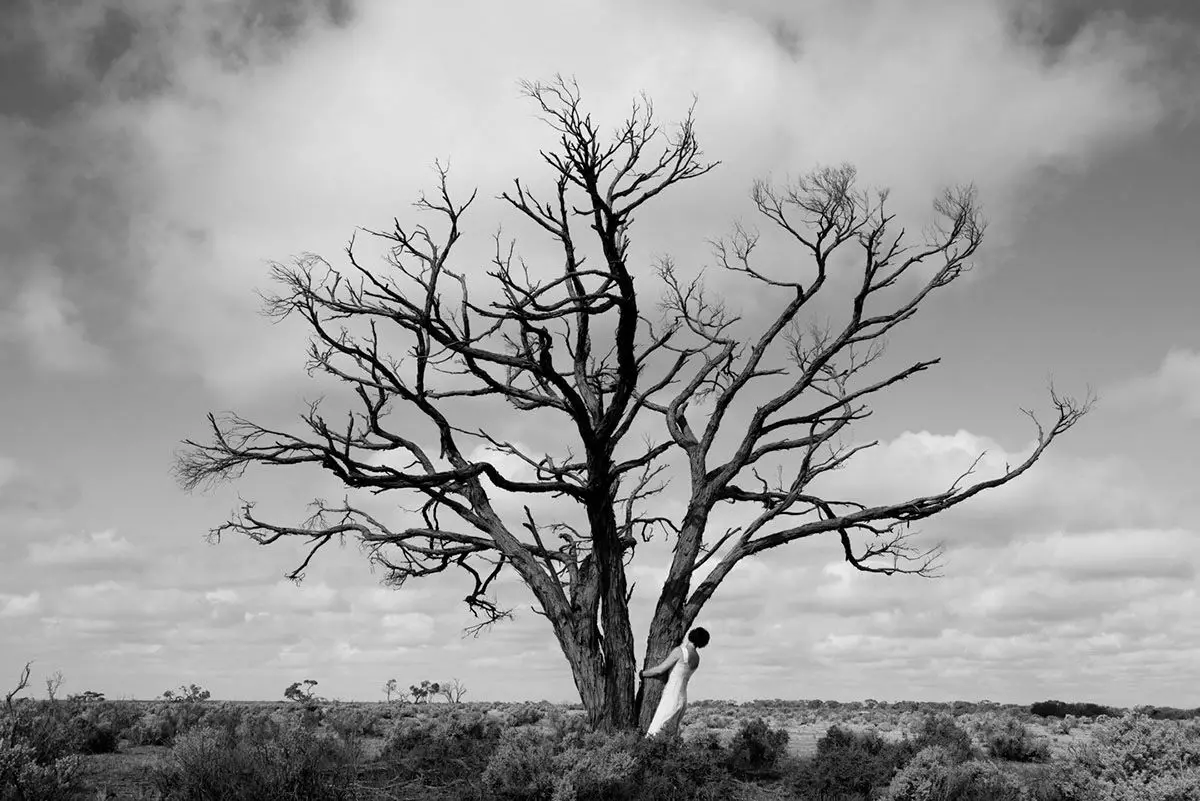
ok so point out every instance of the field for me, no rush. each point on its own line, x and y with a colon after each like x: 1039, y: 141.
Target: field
x: 762, y: 750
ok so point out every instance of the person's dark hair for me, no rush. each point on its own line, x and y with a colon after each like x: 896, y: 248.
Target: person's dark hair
x: 698, y: 637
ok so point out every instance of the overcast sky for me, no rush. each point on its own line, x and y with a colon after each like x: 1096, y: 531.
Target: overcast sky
x: 156, y: 154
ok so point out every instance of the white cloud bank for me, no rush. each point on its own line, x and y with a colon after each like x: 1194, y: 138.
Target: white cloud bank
x: 333, y: 127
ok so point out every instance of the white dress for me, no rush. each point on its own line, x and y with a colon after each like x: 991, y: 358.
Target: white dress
x: 674, y: 697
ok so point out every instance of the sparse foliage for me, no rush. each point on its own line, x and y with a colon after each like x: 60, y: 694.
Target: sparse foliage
x: 389, y: 689
x: 751, y: 412
x: 53, y: 683
x: 453, y: 691
x: 189, y: 694
x: 302, y: 691
x: 423, y: 692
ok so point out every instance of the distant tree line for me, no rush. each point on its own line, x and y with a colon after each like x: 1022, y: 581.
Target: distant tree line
x: 1060, y: 709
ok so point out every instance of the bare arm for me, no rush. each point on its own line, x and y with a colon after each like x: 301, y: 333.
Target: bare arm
x: 664, y: 667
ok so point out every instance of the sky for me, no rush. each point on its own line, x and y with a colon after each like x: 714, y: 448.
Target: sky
x: 159, y: 154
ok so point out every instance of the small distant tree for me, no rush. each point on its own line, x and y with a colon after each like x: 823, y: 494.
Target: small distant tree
x: 390, y: 689
x: 192, y: 693
x: 421, y: 693
x: 22, y: 683
x: 87, y: 696
x: 53, y: 683
x: 301, y: 691
x: 453, y: 691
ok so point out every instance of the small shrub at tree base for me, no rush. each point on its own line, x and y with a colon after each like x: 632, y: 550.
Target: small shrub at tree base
x: 756, y: 749
x: 671, y: 769
x: 596, y: 767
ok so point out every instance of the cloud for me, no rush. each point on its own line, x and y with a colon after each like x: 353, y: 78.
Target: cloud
x: 47, y: 324
x: 230, y: 142
x: 8, y: 470
x: 1176, y: 383
x: 19, y: 605
x: 98, y: 549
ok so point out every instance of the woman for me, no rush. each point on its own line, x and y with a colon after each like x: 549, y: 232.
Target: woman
x: 679, y: 666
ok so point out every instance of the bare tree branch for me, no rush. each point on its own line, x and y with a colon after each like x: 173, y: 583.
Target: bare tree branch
x: 615, y: 397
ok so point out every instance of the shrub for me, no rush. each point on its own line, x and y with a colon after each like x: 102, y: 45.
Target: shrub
x: 1014, y: 742
x: 1133, y: 758
x: 225, y: 717
x: 672, y: 769
x: 351, y: 722
x: 596, y: 767
x: 944, y: 731
x: 934, y: 775
x: 95, y: 738
x: 23, y: 778
x: 756, y: 748
x: 849, y: 763
x: 445, y: 751
x: 525, y: 715
x: 46, y: 728
x: 520, y: 768
x: 155, y: 728
x: 294, y: 764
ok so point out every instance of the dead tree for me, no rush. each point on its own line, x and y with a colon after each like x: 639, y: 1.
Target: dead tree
x: 577, y: 349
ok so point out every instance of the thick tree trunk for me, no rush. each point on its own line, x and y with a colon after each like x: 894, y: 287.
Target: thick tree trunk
x: 607, y: 694
x: 618, y: 660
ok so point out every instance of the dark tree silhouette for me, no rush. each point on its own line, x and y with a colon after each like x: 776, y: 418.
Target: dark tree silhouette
x: 578, y: 350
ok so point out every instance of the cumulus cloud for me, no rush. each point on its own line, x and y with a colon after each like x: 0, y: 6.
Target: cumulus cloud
x: 19, y: 605
x: 212, y: 143
x: 1175, y: 383
x: 95, y: 548
x: 46, y: 324
x: 205, y: 200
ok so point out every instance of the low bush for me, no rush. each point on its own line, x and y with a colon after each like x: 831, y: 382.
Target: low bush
x: 451, y: 750
x: 934, y: 774
x: 756, y: 749
x: 851, y: 764
x: 95, y: 738
x: 352, y: 722
x: 1013, y: 741
x: 48, y: 729
x: 943, y: 731
x: 1134, y: 758
x: 521, y: 768
x: 24, y: 778
x: 672, y: 769
x: 525, y: 714
x: 596, y: 767
x: 154, y: 728
x: 259, y: 764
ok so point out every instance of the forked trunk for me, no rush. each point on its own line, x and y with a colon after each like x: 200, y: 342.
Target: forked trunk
x: 666, y: 631
x: 670, y: 617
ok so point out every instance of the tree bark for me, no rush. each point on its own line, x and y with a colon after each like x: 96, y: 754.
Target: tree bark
x: 670, y: 622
